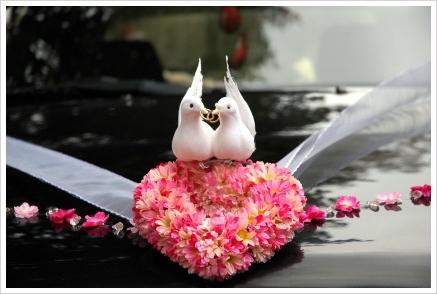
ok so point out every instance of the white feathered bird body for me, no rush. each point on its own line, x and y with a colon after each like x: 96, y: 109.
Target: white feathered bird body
x: 235, y: 137
x: 193, y: 137
x: 193, y: 140
x: 232, y: 139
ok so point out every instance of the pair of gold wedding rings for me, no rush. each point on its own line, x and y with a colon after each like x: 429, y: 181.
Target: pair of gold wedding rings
x: 209, y: 116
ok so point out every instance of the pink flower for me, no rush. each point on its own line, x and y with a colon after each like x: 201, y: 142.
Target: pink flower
x: 60, y: 215
x: 217, y: 221
x: 133, y: 229
x: 420, y: 191
x: 25, y: 210
x: 389, y: 198
x: 99, y: 219
x: 315, y: 213
x: 347, y: 204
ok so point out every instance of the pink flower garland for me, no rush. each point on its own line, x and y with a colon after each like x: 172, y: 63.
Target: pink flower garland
x: 216, y: 222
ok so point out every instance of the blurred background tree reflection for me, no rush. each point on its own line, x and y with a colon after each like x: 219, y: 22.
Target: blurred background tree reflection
x: 268, y: 47
x: 47, y: 45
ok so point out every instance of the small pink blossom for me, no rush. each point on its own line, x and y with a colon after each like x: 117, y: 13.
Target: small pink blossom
x: 25, y: 210
x: 347, y: 203
x: 99, y: 219
x: 60, y: 215
x: 133, y: 229
x: 315, y: 213
x: 420, y: 191
x: 391, y: 198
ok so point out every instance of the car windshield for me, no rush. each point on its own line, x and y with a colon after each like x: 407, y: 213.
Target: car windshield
x: 267, y: 46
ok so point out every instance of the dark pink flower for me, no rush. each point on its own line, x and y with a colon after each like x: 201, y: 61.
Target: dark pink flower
x: 314, y: 213
x: 420, y: 191
x: 99, y: 219
x: 60, y: 215
x: 347, y: 203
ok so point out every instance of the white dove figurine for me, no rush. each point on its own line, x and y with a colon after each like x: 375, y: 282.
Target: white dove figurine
x: 232, y: 139
x: 193, y: 137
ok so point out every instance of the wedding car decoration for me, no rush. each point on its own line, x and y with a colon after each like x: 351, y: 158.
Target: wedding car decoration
x: 216, y: 217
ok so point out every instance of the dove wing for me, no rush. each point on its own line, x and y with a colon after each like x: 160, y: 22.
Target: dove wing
x: 195, y: 90
x: 233, y: 92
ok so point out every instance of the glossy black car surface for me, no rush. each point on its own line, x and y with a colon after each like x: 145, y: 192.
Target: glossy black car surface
x: 129, y: 133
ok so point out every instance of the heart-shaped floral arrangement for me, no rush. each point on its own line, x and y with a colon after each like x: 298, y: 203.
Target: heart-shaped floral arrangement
x: 217, y: 221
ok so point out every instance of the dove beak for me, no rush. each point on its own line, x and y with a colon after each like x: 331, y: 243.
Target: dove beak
x: 217, y: 109
x: 204, y: 111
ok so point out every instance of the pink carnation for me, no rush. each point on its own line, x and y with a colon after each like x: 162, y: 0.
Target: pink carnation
x: 60, y: 215
x: 217, y: 221
x: 99, y: 219
x: 420, y: 191
x: 347, y: 204
x: 25, y: 210
x: 389, y: 198
x: 315, y: 213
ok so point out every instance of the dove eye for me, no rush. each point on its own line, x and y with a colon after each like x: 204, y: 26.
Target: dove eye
x: 191, y: 105
x: 229, y: 107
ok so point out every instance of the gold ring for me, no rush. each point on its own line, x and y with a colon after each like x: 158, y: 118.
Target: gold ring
x: 209, y: 116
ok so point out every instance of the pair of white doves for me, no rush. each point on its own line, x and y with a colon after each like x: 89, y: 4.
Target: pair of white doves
x: 194, y: 139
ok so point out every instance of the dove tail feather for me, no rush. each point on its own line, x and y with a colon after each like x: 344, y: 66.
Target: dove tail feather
x: 233, y: 92
x: 195, y: 90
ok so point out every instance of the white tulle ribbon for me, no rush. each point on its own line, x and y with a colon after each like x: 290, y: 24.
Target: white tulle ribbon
x: 86, y: 181
x: 396, y: 109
